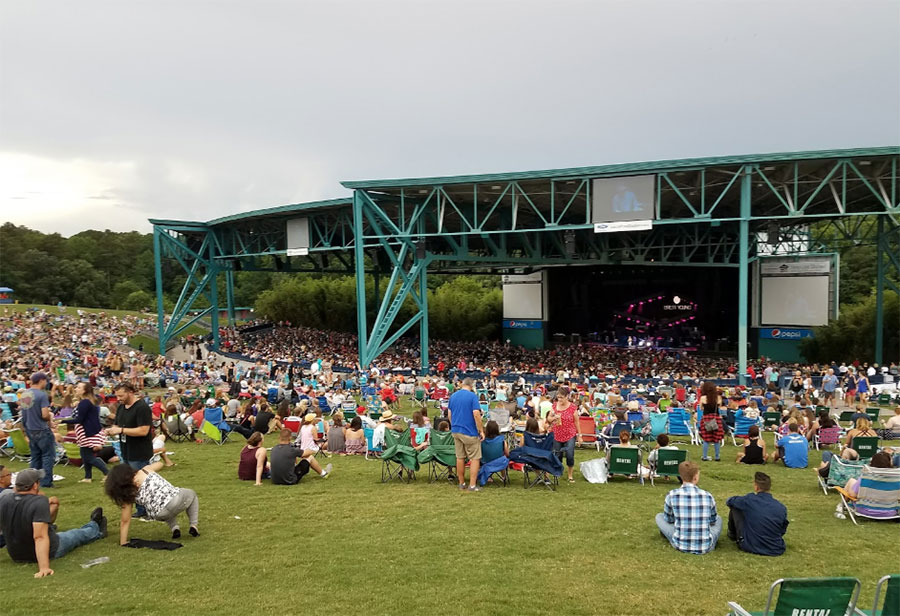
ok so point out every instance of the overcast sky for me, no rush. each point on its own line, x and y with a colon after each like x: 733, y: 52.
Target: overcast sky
x: 114, y: 112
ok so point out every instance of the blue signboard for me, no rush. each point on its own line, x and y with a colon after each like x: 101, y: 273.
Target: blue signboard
x: 784, y: 333
x: 522, y: 324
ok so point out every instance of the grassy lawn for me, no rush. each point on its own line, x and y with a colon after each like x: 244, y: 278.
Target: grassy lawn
x: 351, y: 545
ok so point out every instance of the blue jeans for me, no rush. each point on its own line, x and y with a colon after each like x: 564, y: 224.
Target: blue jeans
x: 89, y: 459
x: 43, y: 453
x: 717, y: 444
x: 138, y: 465
x: 568, y: 447
x: 668, y: 529
x: 71, y: 539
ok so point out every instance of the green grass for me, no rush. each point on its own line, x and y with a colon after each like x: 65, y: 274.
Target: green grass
x: 351, y: 545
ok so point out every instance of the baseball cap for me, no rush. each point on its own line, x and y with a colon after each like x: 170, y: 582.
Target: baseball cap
x: 37, y: 377
x: 211, y: 402
x: 28, y: 477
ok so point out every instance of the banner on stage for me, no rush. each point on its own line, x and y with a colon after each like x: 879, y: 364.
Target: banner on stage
x: 784, y: 333
x: 522, y: 324
x: 625, y: 225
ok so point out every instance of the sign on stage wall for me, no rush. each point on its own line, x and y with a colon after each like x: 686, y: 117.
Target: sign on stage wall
x: 623, y: 204
x: 784, y: 333
x: 521, y: 324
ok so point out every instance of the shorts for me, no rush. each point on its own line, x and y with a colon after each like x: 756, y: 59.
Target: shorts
x: 467, y: 447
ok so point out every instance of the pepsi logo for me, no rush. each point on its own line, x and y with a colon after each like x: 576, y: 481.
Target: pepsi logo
x: 776, y: 333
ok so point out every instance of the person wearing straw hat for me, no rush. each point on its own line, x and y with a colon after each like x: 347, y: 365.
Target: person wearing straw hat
x: 306, y: 439
x: 386, y: 422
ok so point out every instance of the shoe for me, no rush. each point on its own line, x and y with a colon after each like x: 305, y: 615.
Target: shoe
x: 718, y: 459
x: 327, y: 471
x: 102, y: 524
x: 193, y: 532
x: 84, y: 481
x: 474, y: 489
x: 97, y: 515
x: 463, y: 487
x: 705, y: 459
x: 176, y: 534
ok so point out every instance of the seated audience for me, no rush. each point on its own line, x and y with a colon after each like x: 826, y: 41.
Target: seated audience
x: 847, y: 455
x: 355, y: 437
x: 757, y: 522
x: 662, y: 442
x: 336, y: 437
x: 253, y: 464
x: 793, y: 449
x: 863, y: 428
x: 422, y: 430
x: 689, y: 520
x: 754, y: 451
x: 882, y: 459
x: 285, y: 469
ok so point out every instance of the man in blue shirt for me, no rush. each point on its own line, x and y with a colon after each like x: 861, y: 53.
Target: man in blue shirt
x: 36, y: 416
x: 757, y: 522
x: 793, y: 449
x: 465, y: 421
x: 689, y: 519
x: 829, y: 385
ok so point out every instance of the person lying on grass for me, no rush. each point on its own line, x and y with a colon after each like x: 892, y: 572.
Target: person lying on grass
x: 163, y: 501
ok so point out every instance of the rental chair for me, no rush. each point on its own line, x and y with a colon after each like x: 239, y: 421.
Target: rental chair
x: 371, y: 452
x: 625, y: 461
x: 878, y: 497
x: 440, y: 455
x: 835, y: 596
x: 891, y: 606
x: 667, y: 461
x: 539, y: 465
x: 840, y: 471
x: 873, y: 412
x: 211, y: 433
x: 587, y: 430
x: 398, y: 455
x: 846, y: 417
x: 770, y: 419
x: 865, y: 446
x: 827, y: 436
x: 884, y: 399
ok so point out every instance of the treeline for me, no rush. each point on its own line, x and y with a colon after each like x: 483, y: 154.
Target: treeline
x: 459, y: 308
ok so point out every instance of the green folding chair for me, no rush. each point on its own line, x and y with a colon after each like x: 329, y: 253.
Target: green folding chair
x: 770, y: 419
x: 20, y: 451
x: 884, y: 399
x: 440, y: 455
x: 891, y: 606
x: 835, y: 596
x: 667, y: 461
x: 873, y: 412
x: 625, y: 461
x: 865, y: 446
x: 73, y: 454
x: 211, y: 433
x: 846, y: 417
x: 398, y: 455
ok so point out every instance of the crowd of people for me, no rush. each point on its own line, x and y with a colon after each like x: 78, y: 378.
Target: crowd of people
x: 71, y: 378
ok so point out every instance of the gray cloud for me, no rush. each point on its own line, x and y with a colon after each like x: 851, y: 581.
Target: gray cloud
x: 199, y: 109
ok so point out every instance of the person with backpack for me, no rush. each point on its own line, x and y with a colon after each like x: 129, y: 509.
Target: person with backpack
x: 711, y: 428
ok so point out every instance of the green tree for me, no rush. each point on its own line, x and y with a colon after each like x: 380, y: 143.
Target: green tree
x: 852, y: 336
x: 139, y: 300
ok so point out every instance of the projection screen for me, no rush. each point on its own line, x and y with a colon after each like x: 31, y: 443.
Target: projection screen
x: 795, y: 300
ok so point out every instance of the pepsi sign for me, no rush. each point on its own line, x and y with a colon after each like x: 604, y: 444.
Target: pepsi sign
x: 781, y: 333
x: 521, y: 324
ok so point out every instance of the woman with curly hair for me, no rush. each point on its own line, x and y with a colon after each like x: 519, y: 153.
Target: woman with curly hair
x: 163, y: 501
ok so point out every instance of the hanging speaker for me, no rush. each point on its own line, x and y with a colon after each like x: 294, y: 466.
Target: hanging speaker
x: 773, y: 232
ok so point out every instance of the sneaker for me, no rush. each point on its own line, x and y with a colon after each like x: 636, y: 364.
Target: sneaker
x: 84, y: 481
x: 463, y: 487
x: 474, y: 489
x: 193, y: 532
x: 705, y: 459
x: 97, y: 515
x: 327, y: 472
x: 102, y: 524
x: 176, y: 534
x: 718, y: 460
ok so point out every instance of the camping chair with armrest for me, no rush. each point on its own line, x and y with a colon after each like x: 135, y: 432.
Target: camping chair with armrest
x: 323, y: 405
x: 20, y: 449
x: 398, y: 456
x: 873, y: 412
x: 493, y: 462
x: 587, y: 430
x: 884, y: 399
x: 625, y: 461
x: 835, y: 596
x: 846, y: 417
x: 539, y: 464
x: 680, y: 425
x: 840, y: 471
x: 878, y: 497
x: 73, y: 453
x: 667, y: 461
x: 440, y: 455
x: 865, y: 446
x: 770, y: 419
x: 891, y: 605
x: 212, y: 433
x: 371, y: 452
x: 177, y: 429
x: 827, y: 436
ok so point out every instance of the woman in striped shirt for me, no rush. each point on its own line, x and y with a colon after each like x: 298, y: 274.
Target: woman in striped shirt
x: 88, y: 432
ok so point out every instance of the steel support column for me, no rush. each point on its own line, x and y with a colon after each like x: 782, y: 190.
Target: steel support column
x: 879, y: 293
x: 423, y: 323
x: 743, y: 270
x: 359, y: 262
x: 229, y: 295
x: 160, y: 308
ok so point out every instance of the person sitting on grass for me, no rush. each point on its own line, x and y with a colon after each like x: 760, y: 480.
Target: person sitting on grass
x: 689, y: 520
x: 159, y: 447
x: 355, y: 438
x: 754, y: 449
x: 337, y: 435
x: 252, y: 464
x: 27, y: 523
x: 793, y: 449
x: 662, y: 442
x: 284, y: 469
x: 757, y: 522
x: 161, y: 500
x: 306, y: 438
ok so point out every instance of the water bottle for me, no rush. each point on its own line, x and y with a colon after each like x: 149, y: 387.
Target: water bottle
x: 96, y: 561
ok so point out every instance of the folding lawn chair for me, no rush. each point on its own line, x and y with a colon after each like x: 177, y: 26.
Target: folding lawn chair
x: 323, y: 405
x: 878, y: 497
x: 587, y: 429
x: 440, y: 455
x: 680, y: 425
x: 884, y: 399
x: 770, y: 419
x: 840, y: 471
x: 659, y: 423
x: 742, y: 425
x: 667, y: 461
x: 20, y: 449
x: 846, y: 417
x: 73, y: 454
x: 827, y: 436
x: 539, y: 464
x: 211, y: 433
x: 625, y: 461
x: 891, y: 606
x: 835, y: 596
x: 865, y: 446
x: 500, y: 414
x: 371, y: 452
x: 177, y: 429
x: 873, y: 412
x: 398, y: 456
x: 493, y: 462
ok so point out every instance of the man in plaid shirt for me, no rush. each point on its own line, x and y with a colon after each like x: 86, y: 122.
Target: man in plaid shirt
x: 689, y: 520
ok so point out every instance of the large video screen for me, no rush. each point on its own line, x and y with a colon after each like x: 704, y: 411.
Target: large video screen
x: 523, y: 301
x: 795, y: 300
x: 626, y: 198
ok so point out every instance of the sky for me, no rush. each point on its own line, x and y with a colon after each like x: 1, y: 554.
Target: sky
x: 113, y: 112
